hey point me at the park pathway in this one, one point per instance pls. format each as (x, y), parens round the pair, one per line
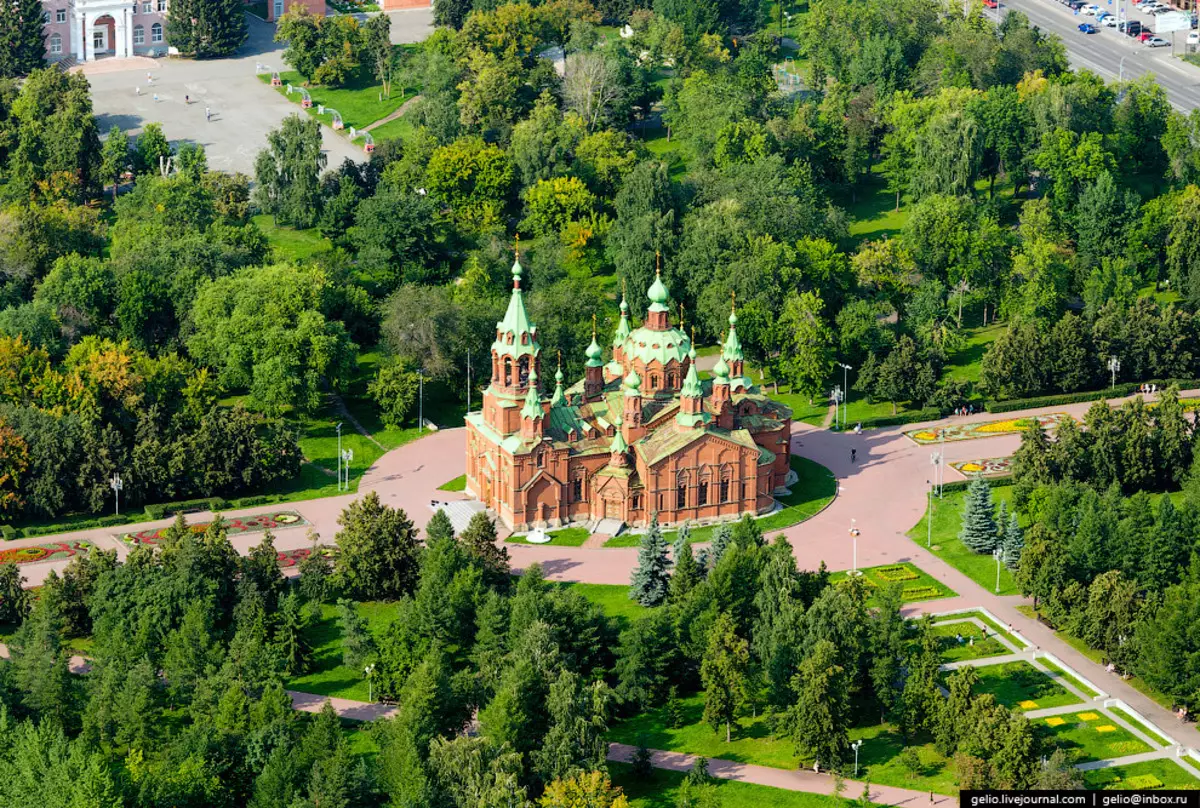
(789, 779)
(400, 111)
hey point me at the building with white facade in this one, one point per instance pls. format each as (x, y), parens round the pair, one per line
(85, 30)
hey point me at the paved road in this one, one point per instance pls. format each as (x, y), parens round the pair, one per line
(1102, 53)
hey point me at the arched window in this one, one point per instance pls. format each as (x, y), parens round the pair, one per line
(726, 479)
(508, 371)
(577, 489)
(523, 370)
(139, 35)
(673, 380)
(653, 382)
(541, 460)
(681, 487)
(55, 43)
(156, 32)
(702, 489)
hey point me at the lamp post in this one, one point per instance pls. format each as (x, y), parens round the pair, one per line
(855, 746)
(468, 379)
(346, 457)
(996, 554)
(421, 400)
(339, 431)
(935, 460)
(1114, 365)
(929, 517)
(854, 531)
(368, 671)
(116, 484)
(836, 394)
(846, 386)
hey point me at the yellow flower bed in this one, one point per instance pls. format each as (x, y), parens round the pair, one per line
(1028, 705)
(1143, 781)
(1011, 425)
(1088, 716)
(972, 467)
(1106, 728)
(925, 435)
(1055, 721)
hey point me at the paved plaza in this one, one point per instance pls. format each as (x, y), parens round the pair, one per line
(243, 108)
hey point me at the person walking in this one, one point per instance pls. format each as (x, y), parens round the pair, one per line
(207, 114)
(187, 100)
(854, 455)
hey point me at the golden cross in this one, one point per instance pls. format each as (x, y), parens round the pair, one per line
(517, 249)
(657, 262)
(733, 300)
(593, 326)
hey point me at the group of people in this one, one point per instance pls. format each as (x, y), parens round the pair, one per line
(187, 98)
(1148, 389)
(968, 409)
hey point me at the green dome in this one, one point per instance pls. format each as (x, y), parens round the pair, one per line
(516, 270)
(558, 377)
(594, 354)
(658, 294)
(633, 381)
(657, 346)
(732, 318)
(624, 305)
(721, 371)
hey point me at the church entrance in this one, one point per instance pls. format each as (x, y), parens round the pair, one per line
(104, 36)
(613, 509)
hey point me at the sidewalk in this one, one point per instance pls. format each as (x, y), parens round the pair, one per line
(789, 779)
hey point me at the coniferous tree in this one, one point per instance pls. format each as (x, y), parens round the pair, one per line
(978, 532)
(820, 717)
(379, 550)
(1013, 542)
(22, 37)
(438, 527)
(887, 649)
(316, 573)
(357, 644)
(724, 672)
(687, 573)
(650, 582)
(207, 28)
(479, 540)
(14, 600)
(722, 537)
(293, 646)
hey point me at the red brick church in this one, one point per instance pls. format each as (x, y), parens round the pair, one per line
(636, 436)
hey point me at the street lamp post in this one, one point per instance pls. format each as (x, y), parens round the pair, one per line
(854, 531)
(421, 400)
(116, 484)
(855, 746)
(846, 386)
(996, 553)
(346, 457)
(836, 394)
(929, 517)
(1114, 365)
(935, 460)
(370, 691)
(339, 431)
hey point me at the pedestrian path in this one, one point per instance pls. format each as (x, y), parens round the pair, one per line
(1157, 754)
(984, 662)
(789, 779)
(345, 708)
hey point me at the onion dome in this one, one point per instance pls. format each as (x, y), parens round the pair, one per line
(632, 382)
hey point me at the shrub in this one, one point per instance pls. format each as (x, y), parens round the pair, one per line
(895, 573)
(8, 532)
(165, 509)
(1078, 398)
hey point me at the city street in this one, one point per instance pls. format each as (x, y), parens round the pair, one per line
(1103, 52)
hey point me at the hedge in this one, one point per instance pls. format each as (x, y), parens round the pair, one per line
(252, 502)
(962, 485)
(8, 532)
(70, 527)
(171, 508)
(1121, 390)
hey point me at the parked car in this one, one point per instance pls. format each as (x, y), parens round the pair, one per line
(1087, 28)
(1193, 38)
(1130, 27)
(1157, 42)
(991, 4)
(1110, 21)
(1089, 10)
(1145, 36)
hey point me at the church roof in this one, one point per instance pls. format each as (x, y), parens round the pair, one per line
(516, 336)
(658, 294)
(732, 350)
(668, 440)
(657, 346)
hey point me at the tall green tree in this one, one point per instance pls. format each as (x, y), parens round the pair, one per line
(207, 28)
(978, 531)
(22, 38)
(805, 343)
(820, 717)
(379, 550)
(114, 158)
(287, 172)
(651, 581)
(724, 673)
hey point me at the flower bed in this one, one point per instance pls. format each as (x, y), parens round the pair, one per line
(987, 467)
(920, 593)
(257, 523)
(291, 558)
(50, 551)
(895, 573)
(986, 429)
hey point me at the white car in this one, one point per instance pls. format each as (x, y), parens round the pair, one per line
(1109, 22)
(1193, 38)
(1089, 10)
(1156, 42)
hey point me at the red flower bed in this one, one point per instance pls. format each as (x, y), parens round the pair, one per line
(290, 558)
(50, 551)
(245, 524)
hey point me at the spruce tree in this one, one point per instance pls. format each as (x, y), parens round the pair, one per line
(293, 645)
(978, 530)
(438, 527)
(682, 538)
(722, 538)
(1012, 544)
(480, 542)
(207, 28)
(22, 37)
(650, 581)
(687, 573)
(1001, 522)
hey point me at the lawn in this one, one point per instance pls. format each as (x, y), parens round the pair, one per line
(1140, 725)
(917, 584)
(951, 650)
(1088, 735)
(567, 537)
(1149, 774)
(292, 245)
(811, 493)
(459, 483)
(1058, 671)
(672, 152)
(399, 129)
(964, 364)
(613, 600)
(980, 568)
(359, 102)
(754, 743)
(991, 624)
(328, 676)
(661, 790)
(1018, 683)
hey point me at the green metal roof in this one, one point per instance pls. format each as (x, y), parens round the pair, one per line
(658, 294)
(733, 346)
(721, 372)
(516, 324)
(691, 383)
(595, 356)
(657, 346)
(622, 326)
(533, 402)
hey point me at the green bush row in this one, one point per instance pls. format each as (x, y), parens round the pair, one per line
(8, 532)
(961, 485)
(1126, 389)
(171, 508)
(914, 417)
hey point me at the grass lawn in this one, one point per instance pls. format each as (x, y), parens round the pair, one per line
(399, 129)
(813, 491)
(672, 152)
(1140, 725)
(359, 102)
(661, 790)
(289, 244)
(802, 410)
(991, 624)
(328, 676)
(1082, 739)
(459, 483)
(1059, 672)
(1017, 682)
(917, 584)
(980, 568)
(951, 650)
(964, 364)
(613, 600)
(753, 742)
(1139, 776)
(567, 537)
